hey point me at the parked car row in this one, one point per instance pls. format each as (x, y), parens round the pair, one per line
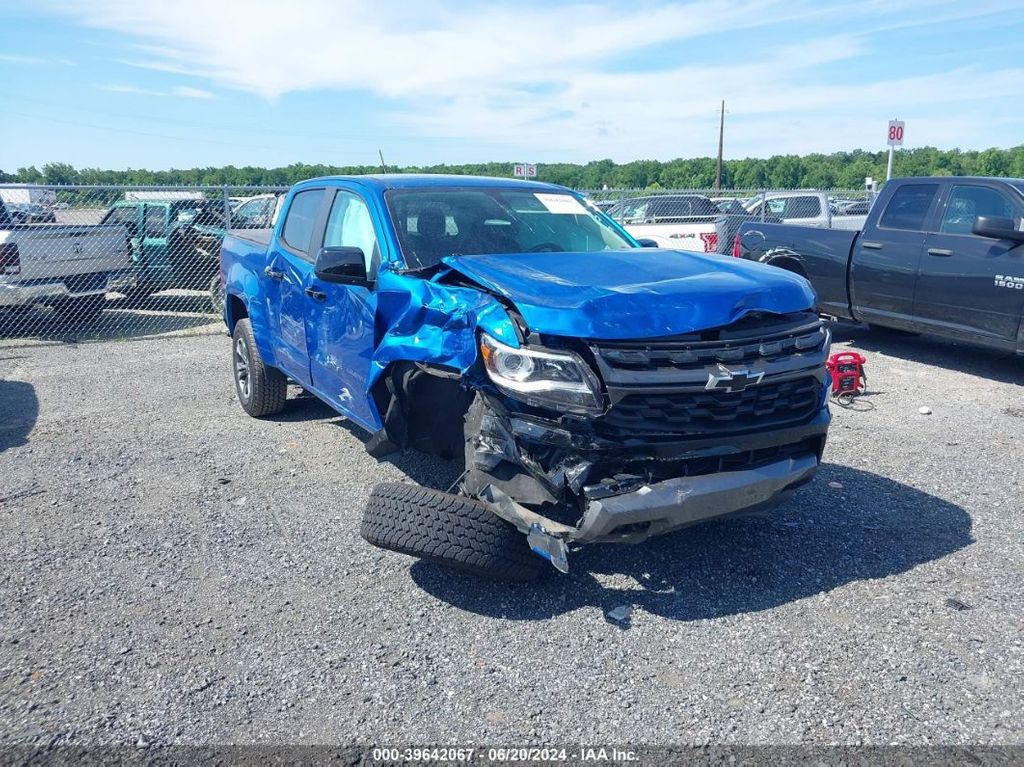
(697, 222)
(164, 240)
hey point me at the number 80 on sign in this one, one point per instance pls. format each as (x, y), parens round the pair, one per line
(896, 132)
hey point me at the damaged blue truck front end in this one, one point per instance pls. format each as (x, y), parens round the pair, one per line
(591, 389)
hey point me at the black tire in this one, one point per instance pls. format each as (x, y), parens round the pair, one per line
(80, 311)
(261, 389)
(451, 530)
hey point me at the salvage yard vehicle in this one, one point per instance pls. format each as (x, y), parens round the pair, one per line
(589, 388)
(164, 238)
(70, 268)
(940, 255)
(687, 221)
(802, 208)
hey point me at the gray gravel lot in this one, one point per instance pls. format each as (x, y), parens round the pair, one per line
(176, 572)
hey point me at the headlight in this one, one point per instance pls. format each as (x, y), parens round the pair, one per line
(560, 381)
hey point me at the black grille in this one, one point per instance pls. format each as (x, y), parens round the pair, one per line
(717, 412)
(802, 335)
(696, 466)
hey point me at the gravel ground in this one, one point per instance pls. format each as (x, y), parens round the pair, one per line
(176, 572)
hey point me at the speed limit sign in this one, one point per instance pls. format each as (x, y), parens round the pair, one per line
(896, 132)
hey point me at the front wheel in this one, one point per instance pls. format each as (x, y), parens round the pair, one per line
(262, 390)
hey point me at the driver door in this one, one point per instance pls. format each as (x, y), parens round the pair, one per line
(340, 317)
(965, 284)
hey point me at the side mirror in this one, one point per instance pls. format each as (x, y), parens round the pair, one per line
(340, 264)
(647, 243)
(997, 228)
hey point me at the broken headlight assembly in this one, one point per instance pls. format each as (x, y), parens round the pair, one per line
(556, 380)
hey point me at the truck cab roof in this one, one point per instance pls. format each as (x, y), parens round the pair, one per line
(384, 181)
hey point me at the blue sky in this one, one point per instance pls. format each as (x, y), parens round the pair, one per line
(184, 83)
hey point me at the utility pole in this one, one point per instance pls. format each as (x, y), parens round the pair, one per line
(721, 136)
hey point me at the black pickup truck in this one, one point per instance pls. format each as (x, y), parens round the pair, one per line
(941, 255)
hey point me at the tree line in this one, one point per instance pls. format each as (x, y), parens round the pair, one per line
(840, 170)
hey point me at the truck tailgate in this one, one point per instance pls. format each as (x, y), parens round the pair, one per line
(56, 250)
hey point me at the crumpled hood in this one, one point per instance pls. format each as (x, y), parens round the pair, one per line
(635, 293)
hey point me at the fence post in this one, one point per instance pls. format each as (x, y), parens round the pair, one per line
(764, 203)
(622, 205)
(227, 207)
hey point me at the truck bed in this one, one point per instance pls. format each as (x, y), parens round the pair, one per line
(820, 255)
(255, 236)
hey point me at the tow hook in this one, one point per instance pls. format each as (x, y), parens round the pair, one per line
(549, 547)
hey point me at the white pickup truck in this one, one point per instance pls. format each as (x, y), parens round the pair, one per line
(681, 221)
(70, 268)
(803, 208)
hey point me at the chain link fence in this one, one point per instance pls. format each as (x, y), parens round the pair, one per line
(116, 262)
(105, 262)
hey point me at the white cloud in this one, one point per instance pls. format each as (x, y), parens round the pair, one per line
(17, 58)
(187, 92)
(527, 74)
(182, 91)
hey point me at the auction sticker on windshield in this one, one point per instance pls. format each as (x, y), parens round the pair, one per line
(561, 203)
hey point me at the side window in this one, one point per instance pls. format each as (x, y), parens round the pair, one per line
(351, 225)
(249, 209)
(156, 218)
(301, 218)
(909, 207)
(803, 207)
(966, 203)
(251, 215)
(125, 214)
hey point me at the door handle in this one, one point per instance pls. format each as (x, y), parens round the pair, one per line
(871, 245)
(941, 252)
(273, 273)
(319, 295)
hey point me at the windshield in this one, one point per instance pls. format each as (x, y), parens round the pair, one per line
(436, 222)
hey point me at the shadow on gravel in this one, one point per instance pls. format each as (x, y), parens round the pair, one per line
(929, 350)
(19, 409)
(121, 320)
(821, 539)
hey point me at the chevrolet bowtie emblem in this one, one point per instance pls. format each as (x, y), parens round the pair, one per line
(732, 380)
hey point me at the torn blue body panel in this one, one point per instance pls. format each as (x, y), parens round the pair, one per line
(633, 294)
(421, 320)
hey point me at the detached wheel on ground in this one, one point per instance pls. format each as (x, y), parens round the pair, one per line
(453, 531)
(261, 389)
(80, 311)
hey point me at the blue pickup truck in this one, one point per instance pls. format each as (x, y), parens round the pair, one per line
(591, 389)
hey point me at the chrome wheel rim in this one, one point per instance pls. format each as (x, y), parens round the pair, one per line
(242, 368)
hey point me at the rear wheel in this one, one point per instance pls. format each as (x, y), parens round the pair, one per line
(451, 530)
(262, 390)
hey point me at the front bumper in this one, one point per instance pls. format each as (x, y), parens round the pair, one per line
(61, 288)
(665, 506)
